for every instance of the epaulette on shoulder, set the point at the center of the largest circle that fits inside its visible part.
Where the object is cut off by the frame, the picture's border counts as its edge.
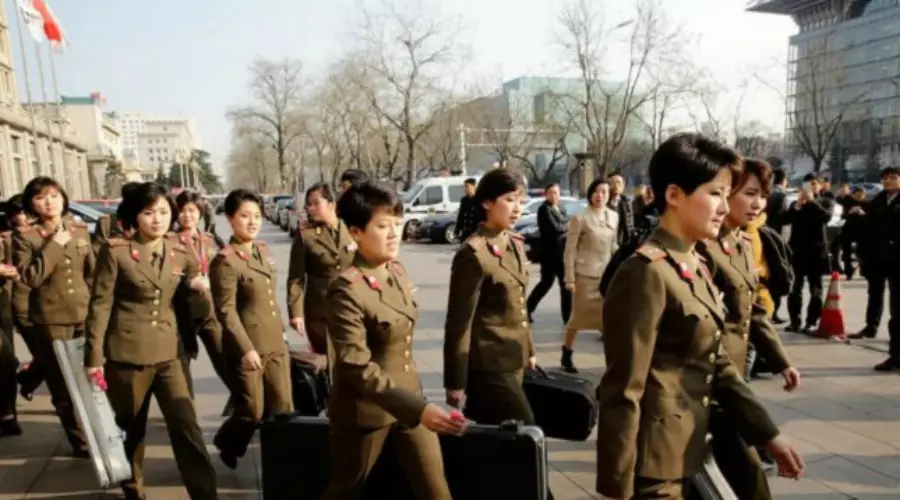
(228, 251)
(78, 224)
(516, 236)
(306, 225)
(117, 242)
(476, 241)
(178, 247)
(650, 252)
(746, 236)
(209, 236)
(261, 243)
(397, 267)
(352, 274)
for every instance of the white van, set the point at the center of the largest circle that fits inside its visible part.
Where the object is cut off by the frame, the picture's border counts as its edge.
(434, 195)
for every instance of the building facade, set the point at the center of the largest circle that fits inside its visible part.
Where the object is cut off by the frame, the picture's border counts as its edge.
(843, 68)
(100, 133)
(32, 141)
(158, 142)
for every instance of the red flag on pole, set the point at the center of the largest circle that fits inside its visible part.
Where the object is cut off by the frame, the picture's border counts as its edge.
(52, 29)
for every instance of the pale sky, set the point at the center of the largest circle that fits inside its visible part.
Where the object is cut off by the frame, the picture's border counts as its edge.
(189, 57)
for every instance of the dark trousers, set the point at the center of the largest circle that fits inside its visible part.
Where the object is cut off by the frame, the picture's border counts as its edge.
(795, 299)
(258, 394)
(59, 392)
(551, 270)
(738, 462)
(130, 389)
(877, 281)
(8, 366)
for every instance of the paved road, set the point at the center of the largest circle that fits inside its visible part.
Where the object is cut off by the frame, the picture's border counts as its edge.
(845, 419)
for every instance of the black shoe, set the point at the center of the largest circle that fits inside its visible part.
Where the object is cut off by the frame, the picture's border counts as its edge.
(888, 365)
(10, 427)
(133, 495)
(81, 453)
(793, 327)
(809, 330)
(778, 321)
(568, 365)
(869, 332)
(29, 382)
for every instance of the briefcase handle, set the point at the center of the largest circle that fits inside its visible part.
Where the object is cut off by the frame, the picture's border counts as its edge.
(540, 369)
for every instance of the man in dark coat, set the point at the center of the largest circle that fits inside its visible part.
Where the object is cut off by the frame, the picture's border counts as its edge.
(552, 224)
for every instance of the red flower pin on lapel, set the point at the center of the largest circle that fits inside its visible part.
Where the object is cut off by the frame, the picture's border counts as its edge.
(373, 283)
(727, 248)
(495, 250)
(685, 272)
(243, 255)
(136, 255)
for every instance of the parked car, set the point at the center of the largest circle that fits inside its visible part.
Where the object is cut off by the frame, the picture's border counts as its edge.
(437, 228)
(272, 205)
(85, 214)
(102, 206)
(527, 226)
(284, 214)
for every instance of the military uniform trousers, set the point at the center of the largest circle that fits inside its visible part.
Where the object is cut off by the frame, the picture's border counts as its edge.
(130, 388)
(354, 451)
(739, 463)
(213, 345)
(56, 383)
(33, 377)
(492, 398)
(259, 394)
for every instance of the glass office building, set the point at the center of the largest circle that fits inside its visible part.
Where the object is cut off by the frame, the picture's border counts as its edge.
(844, 65)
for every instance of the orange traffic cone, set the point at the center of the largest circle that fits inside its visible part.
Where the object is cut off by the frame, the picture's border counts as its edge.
(831, 324)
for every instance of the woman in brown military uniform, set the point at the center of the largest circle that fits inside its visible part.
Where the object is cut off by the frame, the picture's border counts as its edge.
(487, 336)
(665, 357)
(731, 262)
(242, 277)
(376, 394)
(321, 250)
(132, 325)
(55, 260)
(9, 425)
(195, 315)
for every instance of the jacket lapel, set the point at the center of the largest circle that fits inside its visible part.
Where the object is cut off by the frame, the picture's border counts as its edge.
(261, 264)
(144, 263)
(396, 299)
(705, 291)
(510, 261)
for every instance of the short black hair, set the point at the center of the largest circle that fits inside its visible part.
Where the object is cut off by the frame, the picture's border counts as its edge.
(360, 201)
(778, 176)
(354, 175)
(688, 160)
(595, 184)
(615, 173)
(188, 197)
(322, 188)
(14, 205)
(497, 183)
(889, 171)
(811, 177)
(127, 187)
(141, 197)
(550, 186)
(38, 185)
(471, 181)
(237, 197)
(858, 189)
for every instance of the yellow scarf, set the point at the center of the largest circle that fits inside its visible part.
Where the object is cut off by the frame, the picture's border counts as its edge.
(763, 297)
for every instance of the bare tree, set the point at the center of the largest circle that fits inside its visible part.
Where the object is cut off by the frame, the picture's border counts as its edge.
(251, 161)
(277, 89)
(408, 51)
(602, 110)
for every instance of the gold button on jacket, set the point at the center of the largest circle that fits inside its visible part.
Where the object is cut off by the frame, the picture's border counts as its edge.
(661, 315)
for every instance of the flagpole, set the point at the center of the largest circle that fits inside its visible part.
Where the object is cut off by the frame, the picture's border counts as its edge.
(28, 91)
(59, 122)
(40, 60)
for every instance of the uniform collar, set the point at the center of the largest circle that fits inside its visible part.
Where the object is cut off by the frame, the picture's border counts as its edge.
(379, 272)
(674, 246)
(494, 236)
(240, 245)
(150, 246)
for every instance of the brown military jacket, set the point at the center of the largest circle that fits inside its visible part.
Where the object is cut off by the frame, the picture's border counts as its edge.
(318, 255)
(487, 328)
(665, 362)
(108, 226)
(20, 295)
(60, 277)
(6, 286)
(371, 319)
(731, 263)
(193, 310)
(242, 280)
(132, 317)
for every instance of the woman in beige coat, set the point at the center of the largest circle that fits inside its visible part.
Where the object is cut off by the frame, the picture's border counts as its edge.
(590, 243)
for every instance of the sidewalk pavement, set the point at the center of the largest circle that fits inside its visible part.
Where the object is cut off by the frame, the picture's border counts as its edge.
(845, 419)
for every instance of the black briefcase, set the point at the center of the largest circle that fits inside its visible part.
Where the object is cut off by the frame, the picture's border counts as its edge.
(563, 404)
(710, 483)
(488, 462)
(309, 382)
